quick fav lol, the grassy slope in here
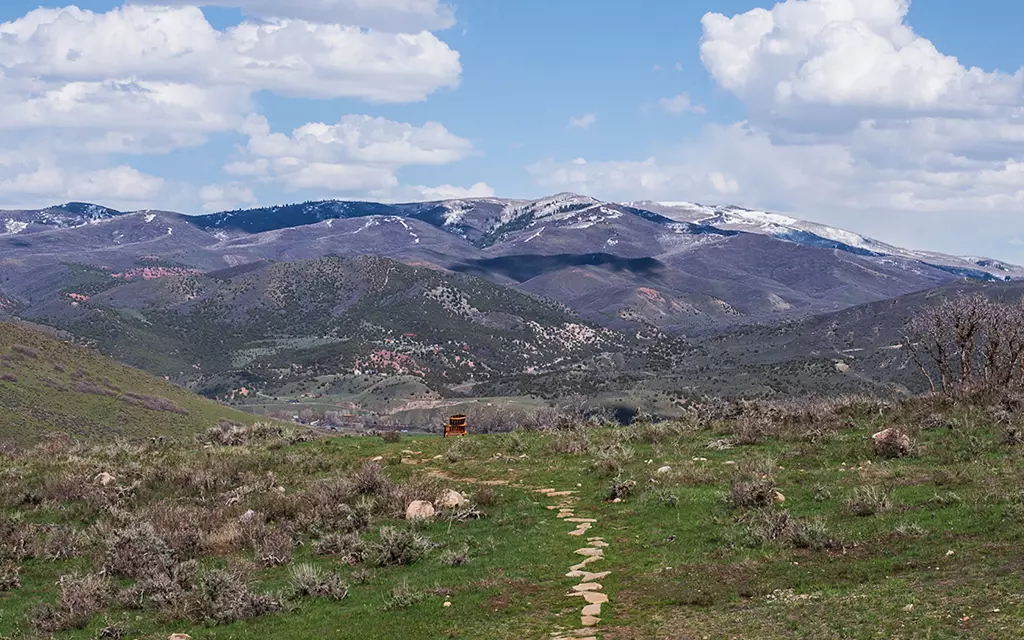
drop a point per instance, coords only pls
(45, 396)
(683, 567)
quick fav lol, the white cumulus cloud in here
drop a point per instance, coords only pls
(852, 118)
(358, 153)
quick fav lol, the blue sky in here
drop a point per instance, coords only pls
(904, 121)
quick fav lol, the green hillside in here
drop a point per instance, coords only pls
(49, 385)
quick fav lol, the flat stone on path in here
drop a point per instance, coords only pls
(592, 610)
(589, 552)
(594, 597)
(588, 586)
(586, 576)
(589, 621)
(591, 520)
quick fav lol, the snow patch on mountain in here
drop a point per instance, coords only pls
(12, 227)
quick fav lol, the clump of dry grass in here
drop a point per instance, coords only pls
(754, 484)
(868, 501)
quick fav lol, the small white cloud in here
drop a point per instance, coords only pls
(222, 197)
(585, 121)
(680, 104)
(440, 192)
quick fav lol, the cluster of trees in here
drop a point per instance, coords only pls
(969, 342)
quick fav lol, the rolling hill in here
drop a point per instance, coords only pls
(50, 385)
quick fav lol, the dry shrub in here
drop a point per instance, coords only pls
(274, 548)
(391, 436)
(767, 526)
(754, 428)
(397, 547)
(8, 377)
(868, 501)
(610, 460)
(228, 433)
(223, 596)
(347, 547)
(81, 597)
(28, 352)
(153, 403)
(10, 577)
(16, 539)
(455, 558)
(754, 485)
(371, 480)
(688, 474)
(61, 542)
(182, 527)
(403, 596)
(310, 581)
(137, 551)
(573, 442)
(91, 388)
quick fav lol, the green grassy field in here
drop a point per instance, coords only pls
(922, 546)
(49, 385)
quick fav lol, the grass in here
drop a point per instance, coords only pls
(52, 386)
(923, 546)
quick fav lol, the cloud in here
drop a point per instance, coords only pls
(223, 197)
(844, 57)
(177, 46)
(448, 192)
(399, 16)
(359, 153)
(121, 184)
(851, 118)
(680, 104)
(79, 88)
(585, 121)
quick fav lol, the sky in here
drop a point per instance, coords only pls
(901, 121)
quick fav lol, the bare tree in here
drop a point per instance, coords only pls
(968, 341)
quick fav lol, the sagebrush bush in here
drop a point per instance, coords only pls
(223, 596)
(455, 557)
(391, 436)
(10, 577)
(403, 596)
(769, 526)
(754, 485)
(868, 501)
(573, 442)
(397, 547)
(136, 551)
(347, 547)
(310, 581)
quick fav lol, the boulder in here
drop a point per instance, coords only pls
(419, 510)
(453, 500)
(779, 498)
(179, 636)
(663, 470)
(104, 479)
(891, 443)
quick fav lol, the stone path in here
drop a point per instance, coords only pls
(589, 589)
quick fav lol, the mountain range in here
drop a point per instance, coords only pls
(282, 298)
